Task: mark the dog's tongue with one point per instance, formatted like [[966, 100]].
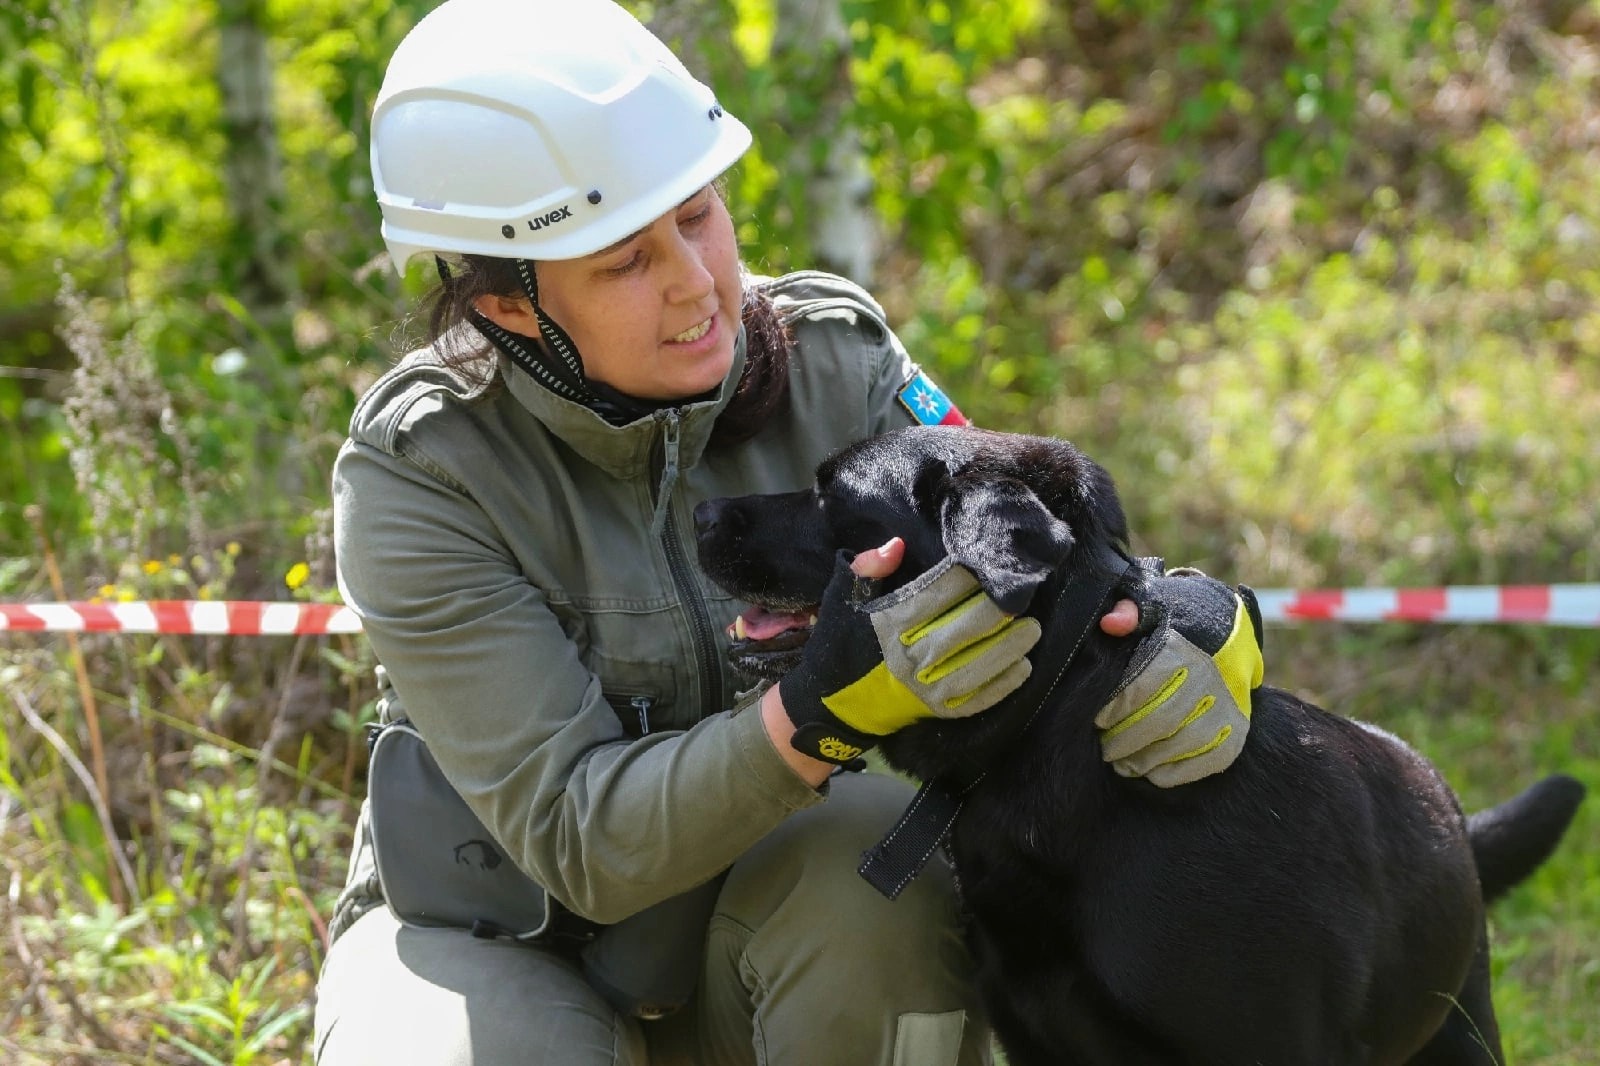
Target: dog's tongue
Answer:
[[758, 623]]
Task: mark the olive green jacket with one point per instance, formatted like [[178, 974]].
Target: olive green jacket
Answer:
[[567, 667]]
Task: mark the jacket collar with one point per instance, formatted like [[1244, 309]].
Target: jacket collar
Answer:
[[624, 451]]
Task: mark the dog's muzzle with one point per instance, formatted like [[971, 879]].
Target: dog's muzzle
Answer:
[[764, 645]]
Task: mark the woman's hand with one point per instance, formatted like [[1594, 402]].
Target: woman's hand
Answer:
[[879, 563], [1122, 619]]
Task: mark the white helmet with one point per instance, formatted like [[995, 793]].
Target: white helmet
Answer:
[[538, 129]]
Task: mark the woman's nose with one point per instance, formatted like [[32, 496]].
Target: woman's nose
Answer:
[[689, 279]]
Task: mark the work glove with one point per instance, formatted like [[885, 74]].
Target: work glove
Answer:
[[1183, 709], [939, 647]]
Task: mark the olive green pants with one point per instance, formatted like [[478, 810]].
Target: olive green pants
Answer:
[[806, 965]]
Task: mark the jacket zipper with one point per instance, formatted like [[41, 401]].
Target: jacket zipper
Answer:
[[683, 579], [641, 706]]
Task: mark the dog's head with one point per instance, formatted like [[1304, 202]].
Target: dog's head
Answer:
[[1009, 508]]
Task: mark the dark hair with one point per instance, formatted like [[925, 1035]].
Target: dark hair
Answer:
[[762, 391]]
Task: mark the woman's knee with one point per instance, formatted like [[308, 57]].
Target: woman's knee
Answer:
[[800, 936], [809, 865], [393, 993]]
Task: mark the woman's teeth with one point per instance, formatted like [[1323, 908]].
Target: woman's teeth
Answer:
[[693, 334]]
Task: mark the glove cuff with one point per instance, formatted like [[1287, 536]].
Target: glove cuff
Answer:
[[831, 740], [818, 732]]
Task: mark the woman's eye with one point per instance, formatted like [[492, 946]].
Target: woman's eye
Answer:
[[622, 268], [700, 213]]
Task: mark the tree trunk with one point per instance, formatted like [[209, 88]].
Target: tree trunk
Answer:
[[253, 162], [813, 42], [261, 267]]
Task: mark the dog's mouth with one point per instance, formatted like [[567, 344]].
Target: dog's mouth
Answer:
[[765, 643]]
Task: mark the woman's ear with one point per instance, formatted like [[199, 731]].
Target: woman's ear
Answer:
[[514, 314]]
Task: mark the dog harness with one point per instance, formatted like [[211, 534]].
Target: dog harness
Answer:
[[895, 861]]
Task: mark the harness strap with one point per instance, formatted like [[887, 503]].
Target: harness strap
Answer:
[[895, 861]]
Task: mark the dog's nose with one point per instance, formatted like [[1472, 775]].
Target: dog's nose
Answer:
[[707, 515]]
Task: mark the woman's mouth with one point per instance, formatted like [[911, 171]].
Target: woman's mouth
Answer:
[[693, 333]]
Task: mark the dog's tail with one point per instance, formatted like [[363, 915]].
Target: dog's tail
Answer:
[[1511, 839]]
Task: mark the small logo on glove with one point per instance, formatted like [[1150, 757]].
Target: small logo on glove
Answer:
[[834, 749]]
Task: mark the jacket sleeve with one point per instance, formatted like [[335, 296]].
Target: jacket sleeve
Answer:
[[894, 371], [867, 339], [516, 722]]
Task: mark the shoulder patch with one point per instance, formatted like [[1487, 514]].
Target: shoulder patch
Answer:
[[928, 404]]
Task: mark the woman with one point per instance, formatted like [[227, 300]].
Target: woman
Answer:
[[513, 524]]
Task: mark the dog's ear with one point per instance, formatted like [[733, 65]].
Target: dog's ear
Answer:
[[998, 529]]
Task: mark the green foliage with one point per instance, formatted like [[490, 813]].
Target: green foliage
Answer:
[[911, 66], [112, 165], [207, 955]]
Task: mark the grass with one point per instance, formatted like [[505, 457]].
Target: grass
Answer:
[[211, 954], [202, 945]]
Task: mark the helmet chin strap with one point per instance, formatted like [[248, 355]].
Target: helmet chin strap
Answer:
[[563, 374], [555, 338], [565, 378]]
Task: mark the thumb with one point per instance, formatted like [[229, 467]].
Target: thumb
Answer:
[[847, 587], [1121, 620], [880, 561]]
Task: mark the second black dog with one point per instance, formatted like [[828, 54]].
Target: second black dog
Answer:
[[1321, 901]]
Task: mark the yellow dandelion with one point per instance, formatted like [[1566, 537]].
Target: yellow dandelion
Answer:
[[125, 595], [233, 548], [204, 594], [152, 566], [107, 591], [297, 575], [174, 560]]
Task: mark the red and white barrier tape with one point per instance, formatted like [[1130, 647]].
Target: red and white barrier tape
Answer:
[[239, 617], [1555, 605], [1552, 605]]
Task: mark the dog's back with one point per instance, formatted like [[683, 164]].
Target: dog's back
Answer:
[[1308, 905], [1317, 902]]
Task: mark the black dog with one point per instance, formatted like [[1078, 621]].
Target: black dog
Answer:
[[1321, 901]]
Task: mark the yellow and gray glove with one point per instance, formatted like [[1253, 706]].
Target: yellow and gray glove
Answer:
[[939, 647], [1183, 710]]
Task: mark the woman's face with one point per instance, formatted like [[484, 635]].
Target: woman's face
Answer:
[[654, 315]]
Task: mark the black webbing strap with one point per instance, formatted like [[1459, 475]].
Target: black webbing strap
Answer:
[[894, 862], [556, 364], [564, 378]]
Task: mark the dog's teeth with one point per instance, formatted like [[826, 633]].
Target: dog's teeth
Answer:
[[737, 629], [813, 620]]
